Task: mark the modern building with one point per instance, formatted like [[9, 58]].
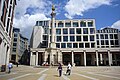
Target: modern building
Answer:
[[20, 44], [74, 41], [7, 8]]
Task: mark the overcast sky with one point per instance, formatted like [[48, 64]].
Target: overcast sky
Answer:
[[105, 12]]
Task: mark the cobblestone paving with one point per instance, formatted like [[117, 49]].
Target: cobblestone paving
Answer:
[[78, 73]]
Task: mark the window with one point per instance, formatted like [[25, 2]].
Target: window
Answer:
[[92, 45], [63, 45], [106, 36], [72, 38], [102, 42], [78, 38], [115, 36], [111, 42], [75, 45], [111, 36], [82, 24], [78, 31], [65, 38], [81, 45], [14, 44], [67, 24], [45, 37], [58, 38], [72, 31], [46, 30], [85, 38], [65, 31], [75, 24], [15, 39], [97, 42], [101, 36], [58, 31], [14, 49], [92, 31], [69, 45], [97, 36], [116, 42], [106, 42], [58, 45], [87, 45], [60, 24], [90, 24], [92, 38], [85, 30]]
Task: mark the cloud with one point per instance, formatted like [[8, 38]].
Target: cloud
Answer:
[[28, 12], [77, 7], [116, 25]]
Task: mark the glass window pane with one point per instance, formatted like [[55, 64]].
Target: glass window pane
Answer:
[[92, 38], [106, 36], [90, 24], [65, 31], [85, 38], [102, 42], [87, 45], [82, 24], [58, 31], [60, 24], [75, 45], [111, 42], [65, 38], [69, 45], [101, 36], [72, 31], [58, 38], [85, 30], [78, 31], [92, 31], [72, 38], [97, 36], [58, 45], [78, 38], [111, 36], [75, 24], [115, 36], [67, 24], [92, 45], [106, 42], [63, 45], [81, 45], [97, 42]]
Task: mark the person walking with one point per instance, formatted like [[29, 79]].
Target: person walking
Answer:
[[68, 69], [10, 67], [60, 70]]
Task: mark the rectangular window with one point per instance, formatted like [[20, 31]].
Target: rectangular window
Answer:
[[85, 38], [58, 38], [60, 24], [85, 30], [106, 42], [101, 36], [97, 42], [87, 45], [65, 31], [92, 45], [75, 45], [97, 36], [116, 42], [90, 24], [75, 24], [72, 38], [92, 38], [78, 38], [78, 31], [58, 45], [58, 31], [111, 42], [92, 31], [65, 38], [82, 24], [15, 39], [72, 31], [67, 24], [81, 45], [45, 37], [69, 45], [115, 36], [102, 42], [106, 36], [111, 36], [63, 45]]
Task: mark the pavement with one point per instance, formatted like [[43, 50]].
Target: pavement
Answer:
[[50, 73]]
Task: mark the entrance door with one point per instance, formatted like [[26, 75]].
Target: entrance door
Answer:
[[77, 59], [67, 57]]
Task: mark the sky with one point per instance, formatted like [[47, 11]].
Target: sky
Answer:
[[105, 12]]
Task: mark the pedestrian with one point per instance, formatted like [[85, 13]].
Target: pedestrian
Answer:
[[10, 67], [60, 70], [68, 69]]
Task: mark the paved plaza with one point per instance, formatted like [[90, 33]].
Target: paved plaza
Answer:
[[47, 73]]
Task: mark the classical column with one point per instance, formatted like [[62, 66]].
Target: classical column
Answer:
[[109, 58], [36, 61], [59, 57], [84, 58], [97, 58], [31, 58], [72, 57], [45, 56], [101, 58], [51, 58]]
